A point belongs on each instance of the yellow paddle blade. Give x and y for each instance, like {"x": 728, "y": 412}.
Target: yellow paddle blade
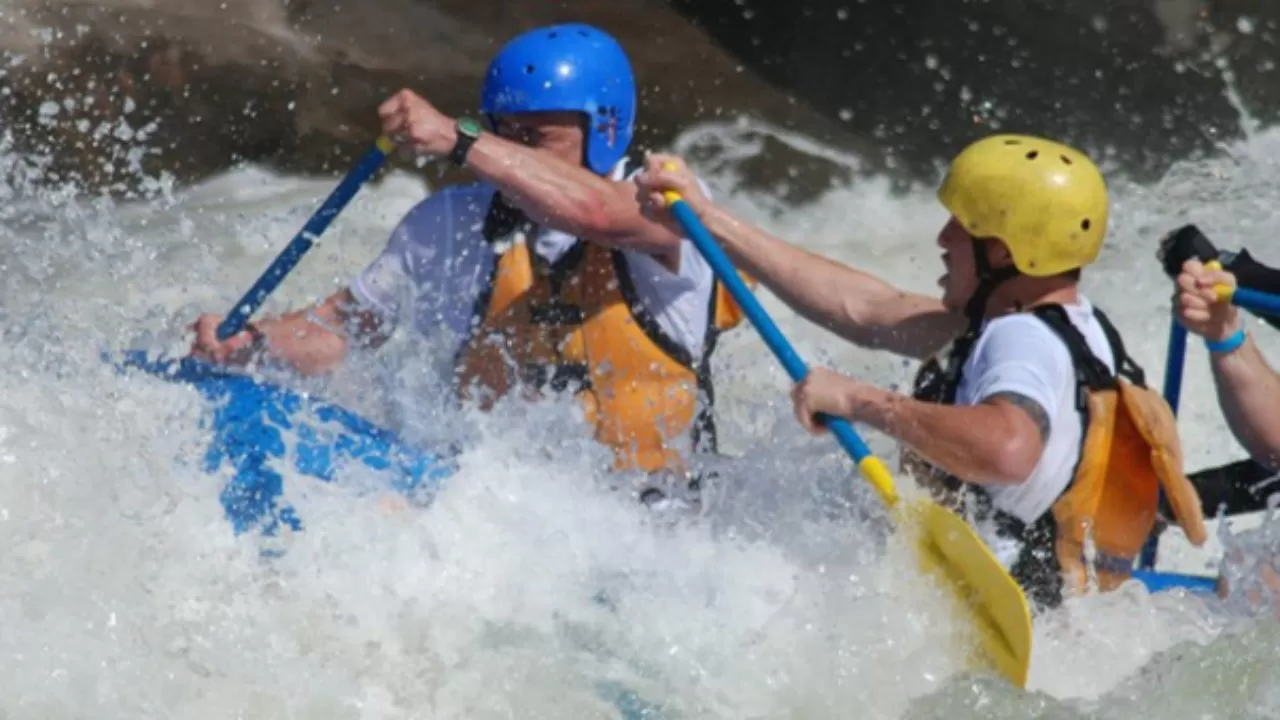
{"x": 951, "y": 550}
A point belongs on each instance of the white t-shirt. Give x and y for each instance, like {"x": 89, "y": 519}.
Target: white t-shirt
{"x": 1020, "y": 353}
{"x": 437, "y": 262}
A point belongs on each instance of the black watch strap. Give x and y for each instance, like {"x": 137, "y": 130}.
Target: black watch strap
{"x": 468, "y": 131}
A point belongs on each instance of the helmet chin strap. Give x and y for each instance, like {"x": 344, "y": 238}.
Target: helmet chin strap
{"x": 988, "y": 281}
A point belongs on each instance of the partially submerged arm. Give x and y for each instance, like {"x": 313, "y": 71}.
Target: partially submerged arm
{"x": 312, "y": 341}
{"x": 316, "y": 340}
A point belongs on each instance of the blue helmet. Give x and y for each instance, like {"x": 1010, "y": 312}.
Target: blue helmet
{"x": 572, "y": 67}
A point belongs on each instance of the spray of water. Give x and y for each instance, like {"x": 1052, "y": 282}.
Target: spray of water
{"x": 533, "y": 585}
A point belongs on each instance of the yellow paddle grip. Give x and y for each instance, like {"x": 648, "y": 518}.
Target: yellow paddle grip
{"x": 878, "y": 475}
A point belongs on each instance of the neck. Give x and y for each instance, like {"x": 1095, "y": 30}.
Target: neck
{"x": 1023, "y": 293}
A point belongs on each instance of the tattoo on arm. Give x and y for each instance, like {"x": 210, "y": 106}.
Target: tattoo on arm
{"x": 1032, "y": 408}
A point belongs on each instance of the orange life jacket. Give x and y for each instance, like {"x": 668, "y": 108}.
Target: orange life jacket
{"x": 1130, "y": 451}
{"x": 577, "y": 325}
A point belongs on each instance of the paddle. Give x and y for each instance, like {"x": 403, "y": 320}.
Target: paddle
{"x": 1175, "y": 362}
{"x": 251, "y": 413}
{"x": 1255, "y": 301}
{"x": 364, "y": 168}
{"x": 947, "y": 544}
{"x": 192, "y": 370}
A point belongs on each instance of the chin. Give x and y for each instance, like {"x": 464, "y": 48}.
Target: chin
{"x": 949, "y": 302}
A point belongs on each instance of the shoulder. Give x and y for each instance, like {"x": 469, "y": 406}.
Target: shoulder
{"x": 444, "y": 211}
{"x": 451, "y": 200}
{"x": 1019, "y": 335}
{"x": 1022, "y": 346}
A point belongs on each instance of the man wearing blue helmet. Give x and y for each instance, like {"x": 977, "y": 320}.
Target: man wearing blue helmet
{"x": 545, "y": 273}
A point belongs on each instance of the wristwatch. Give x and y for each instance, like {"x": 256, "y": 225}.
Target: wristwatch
{"x": 468, "y": 132}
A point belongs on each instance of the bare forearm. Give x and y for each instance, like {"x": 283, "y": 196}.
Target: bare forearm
{"x": 567, "y": 197}
{"x": 1249, "y": 393}
{"x": 855, "y": 305}
{"x": 316, "y": 340}
{"x": 985, "y": 444}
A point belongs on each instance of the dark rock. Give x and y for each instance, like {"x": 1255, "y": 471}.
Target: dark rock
{"x": 298, "y": 85}
{"x": 923, "y": 78}
{"x": 115, "y": 92}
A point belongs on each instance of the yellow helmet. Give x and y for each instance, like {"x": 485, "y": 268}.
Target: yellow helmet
{"x": 1046, "y": 201}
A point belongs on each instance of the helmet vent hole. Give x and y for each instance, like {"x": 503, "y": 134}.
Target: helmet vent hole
{"x": 1033, "y": 154}
{"x": 528, "y": 69}
{"x": 552, "y": 35}
{"x": 1012, "y": 142}
{"x": 584, "y": 33}
{"x": 1084, "y": 224}
{"x": 1065, "y": 160}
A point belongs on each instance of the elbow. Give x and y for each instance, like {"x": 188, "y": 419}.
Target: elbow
{"x": 856, "y": 325}
{"x": 1265, "y": 449}
{"x": 594, "y": 215}
{"x": 1015, "y": 458}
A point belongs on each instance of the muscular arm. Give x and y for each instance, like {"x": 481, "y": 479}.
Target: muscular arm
{"x": 315, "y": 340}
{"x": 1249, "y": 393}
{"x": 570, "y": 198}
{"x": 855, "y": 305}
{"x": 996, "y": 442}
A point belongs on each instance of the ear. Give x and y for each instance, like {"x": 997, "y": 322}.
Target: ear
{"x": 997, "y": 253}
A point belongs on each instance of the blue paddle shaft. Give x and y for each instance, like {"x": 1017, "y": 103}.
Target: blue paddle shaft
{"x": 235, "y": 320}
{"x": 1256, "y": 301}
{"x": 1174, "y": 364}
{"x": 1176, "y": 360}
{"x": 773, "y": 337}
{"x": 1253, "y": 300}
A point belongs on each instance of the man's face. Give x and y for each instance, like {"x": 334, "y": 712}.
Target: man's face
{"x": 559, "y": 133}
{"x": 960, "y": 280}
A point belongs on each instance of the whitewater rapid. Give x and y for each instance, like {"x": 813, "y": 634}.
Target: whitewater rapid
{"x": 530, "y": 588}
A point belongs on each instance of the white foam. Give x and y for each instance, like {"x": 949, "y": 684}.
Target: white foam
{"x": 126, "y": 595}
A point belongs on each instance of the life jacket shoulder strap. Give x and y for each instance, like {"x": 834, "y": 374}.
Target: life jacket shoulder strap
{"x": 1091, "y": 371}
{"x": 1126, "y": 366}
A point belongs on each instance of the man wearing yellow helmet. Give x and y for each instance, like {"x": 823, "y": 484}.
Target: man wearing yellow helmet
{"x": 1026, "y": 424}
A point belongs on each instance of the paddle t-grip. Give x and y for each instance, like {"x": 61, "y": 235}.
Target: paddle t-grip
{"x": 869, "y": 465}
{"x": 288, "y": 258}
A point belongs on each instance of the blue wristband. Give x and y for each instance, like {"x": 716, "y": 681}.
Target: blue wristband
{"x": 1228, "y": 345}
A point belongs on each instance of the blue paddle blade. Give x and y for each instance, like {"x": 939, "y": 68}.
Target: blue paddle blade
{"x": 249, "y": 424}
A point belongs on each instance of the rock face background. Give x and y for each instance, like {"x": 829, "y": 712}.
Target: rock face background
{"x": 193, "y": 86}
